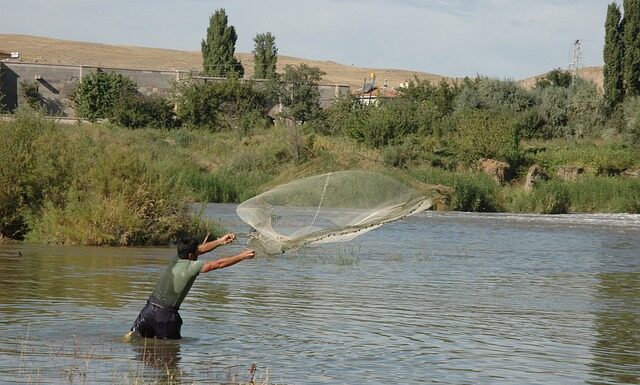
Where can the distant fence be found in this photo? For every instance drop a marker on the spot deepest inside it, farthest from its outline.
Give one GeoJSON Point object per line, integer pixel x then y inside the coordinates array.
{"type": "Point", "coordinates": [56, 82]}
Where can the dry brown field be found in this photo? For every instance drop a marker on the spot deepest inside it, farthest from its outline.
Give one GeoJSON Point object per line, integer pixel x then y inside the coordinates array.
{"type": "Point", "coordinates": [56, 51]}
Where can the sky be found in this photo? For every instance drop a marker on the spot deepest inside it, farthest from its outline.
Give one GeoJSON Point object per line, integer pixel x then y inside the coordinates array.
{"type": "Point", "coordinates": [507, 39]}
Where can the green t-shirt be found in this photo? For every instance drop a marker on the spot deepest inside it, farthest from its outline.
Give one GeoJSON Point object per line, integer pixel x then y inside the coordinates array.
{"type": "Point", "coordinates": [176, 281]}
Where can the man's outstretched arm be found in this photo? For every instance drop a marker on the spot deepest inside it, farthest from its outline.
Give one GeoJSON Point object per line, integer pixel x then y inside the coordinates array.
{"type": "Point", "coordinates": [208, 246]}
{"type": "Point", "coordinates": [227, 261]}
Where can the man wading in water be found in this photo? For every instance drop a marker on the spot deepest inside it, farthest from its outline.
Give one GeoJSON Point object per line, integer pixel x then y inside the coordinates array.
{"type": "Point", "coordinates": [159, 318]}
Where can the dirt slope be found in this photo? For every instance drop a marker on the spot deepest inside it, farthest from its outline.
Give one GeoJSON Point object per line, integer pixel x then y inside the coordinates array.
{"type": "Point", "coordinates": [56, 51]}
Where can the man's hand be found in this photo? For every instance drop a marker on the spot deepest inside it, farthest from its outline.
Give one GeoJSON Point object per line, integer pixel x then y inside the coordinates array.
{"type": "Point", "coordinates": [227, 238]}
{"type": "Point", "coordinates": [247, 254]}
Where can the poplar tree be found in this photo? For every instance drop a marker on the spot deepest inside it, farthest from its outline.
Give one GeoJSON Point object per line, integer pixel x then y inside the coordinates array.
{"type": "Point", "coordinates": [631, 31]}
{"type": "Point", "coordinates": [613, 57]}
{"type": "Point", "coordinates": [265, 56]}
{"type": "Point", "coordinates": [219, 47]}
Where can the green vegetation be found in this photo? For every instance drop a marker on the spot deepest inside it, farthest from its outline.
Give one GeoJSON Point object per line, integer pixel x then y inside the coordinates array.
{"type": "Point", "coordinates": [213, 141]}
{"type": "Point", "coordinates": [265, 56]}
{"type": "Point", "coordinates": [613, 57]}
{"type": "Point", "coordinates": [88, 186]}
{"type": "Point", "coordinates": [219, 46]}
{"type": "Point", "coordinates": [98, 94]}
{"type": "Point", "coordinates": [298, 91]}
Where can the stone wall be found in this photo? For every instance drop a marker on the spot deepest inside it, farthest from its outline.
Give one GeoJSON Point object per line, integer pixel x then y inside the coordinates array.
{"type": "Point", "coordinates": [56, 83]}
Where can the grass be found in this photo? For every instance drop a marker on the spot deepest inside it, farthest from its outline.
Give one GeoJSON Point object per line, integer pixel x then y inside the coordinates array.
{"type": "Point", "coordinates": [154, 362]}
{"type": "Point", "coordinates": [98, 184]}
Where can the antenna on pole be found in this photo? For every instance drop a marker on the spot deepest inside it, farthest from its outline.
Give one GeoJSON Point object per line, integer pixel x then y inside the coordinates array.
{"type": "Point", "coordinates": [576, 59]}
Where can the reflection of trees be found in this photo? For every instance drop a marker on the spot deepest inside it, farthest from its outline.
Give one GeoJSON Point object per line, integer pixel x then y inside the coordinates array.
{"type": "Point", "coordinates": [105, 277]}
{"type": "Point", "coordinates": [616, 352]}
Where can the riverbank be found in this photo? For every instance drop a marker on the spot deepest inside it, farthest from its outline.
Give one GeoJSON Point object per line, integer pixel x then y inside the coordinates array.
{"type": "Point", "coordinates": [99, 184]}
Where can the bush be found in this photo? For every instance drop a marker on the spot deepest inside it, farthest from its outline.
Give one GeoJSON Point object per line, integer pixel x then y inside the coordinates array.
{"type": "Point", "coordinates": [220, 105]}
{"type": "Point", "coordinates": [493, 94]}
{"type": "Point", "coordinates": [20, 186]}
{"type": "Point", "coordinates": [30, 94]}
{"type": "Point", "coordinates": [486, 134]}
{"type": "Point", "coordinates": [387, 123]}
{"type": "Point", "coordinates": [138, 111]}
{"type": "Point", "coordinates": [472, 191]}
{"type": "Point", "coordinates": [97, 94]}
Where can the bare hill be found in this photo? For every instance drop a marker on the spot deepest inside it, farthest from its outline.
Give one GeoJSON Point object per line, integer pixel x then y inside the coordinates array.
{"type": "Point", "coordinates": [55, 51]}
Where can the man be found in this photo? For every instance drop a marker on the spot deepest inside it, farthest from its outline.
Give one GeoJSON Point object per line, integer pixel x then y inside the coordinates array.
{"type": "Point", "coordinates": [159, 318]}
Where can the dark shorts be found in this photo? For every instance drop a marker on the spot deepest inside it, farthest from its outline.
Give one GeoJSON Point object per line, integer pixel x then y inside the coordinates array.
{"type": "Point", "coordinates": [157, 321]}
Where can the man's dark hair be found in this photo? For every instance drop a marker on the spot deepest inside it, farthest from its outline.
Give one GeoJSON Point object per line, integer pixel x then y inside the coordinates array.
{"type": "Point", "coordinates": [187, 246]}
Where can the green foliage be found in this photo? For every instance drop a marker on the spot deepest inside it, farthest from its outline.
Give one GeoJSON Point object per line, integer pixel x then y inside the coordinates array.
{"type": "Point", "coordinates": [588, 194]}
{"type": "Point", "coordinates": [265, 56]}
{"type": "Point", "coordinates": [138, 111]}
{"type": "Point", "coordinates": [585, 109]}
{"type": "Point", "coordinates": [555, 78]}
{"type": "Point", "coordinates": [30, 94]}
{"type": "Point", "coordinates": [86, 186]}
{"type": "Point", "coordinates": [219, 46]}
{"type": "Point", "coordinates": [613, 69]}
{"type": "Point", "coordinates": [97, 94]}
{"type": "Point", "coordinates": [631, 111]}
{"type": "Point", "coordinates": [485, 93]}
{"type": "Point", "coordinates": [485, 134]}
{"type": "Point", "coordinates": [229, 104]}
{"type": "Point", "coordinates": [19, 186]}
{"type": "Point", "coordinates": [299, 92]}
{"type": "Point", "coordinates": [631, 24]}
{"type": "Point", "coordinates": [388, 123]}
{"type": "Point", "coordinates": [472, 191]}
{"type": "Point", "coordinates": [551, 197]}
{"type": "Point", "coordinates": [343, 114]}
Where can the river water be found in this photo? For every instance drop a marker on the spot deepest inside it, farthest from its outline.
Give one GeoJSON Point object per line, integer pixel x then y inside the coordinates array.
{"type": "Point", "coordinates": [437, 298]}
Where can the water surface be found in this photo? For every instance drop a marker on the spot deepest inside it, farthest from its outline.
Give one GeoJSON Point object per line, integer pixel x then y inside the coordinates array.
{"type": "Point", "coordinates": [437, 298]}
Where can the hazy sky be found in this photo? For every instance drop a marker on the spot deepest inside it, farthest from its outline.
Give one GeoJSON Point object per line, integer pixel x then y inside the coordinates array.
{"type": "Point", "coordinates": [498, 38]}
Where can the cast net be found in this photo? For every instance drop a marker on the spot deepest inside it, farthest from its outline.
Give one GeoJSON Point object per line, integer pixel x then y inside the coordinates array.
{"type": "Point", "coordinates": [331, 207]}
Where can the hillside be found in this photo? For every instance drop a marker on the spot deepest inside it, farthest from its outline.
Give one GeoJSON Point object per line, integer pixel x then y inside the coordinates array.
{"type": "Point", "coordinates": [55, 51]}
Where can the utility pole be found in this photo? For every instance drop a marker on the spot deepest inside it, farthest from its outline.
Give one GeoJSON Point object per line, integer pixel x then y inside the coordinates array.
{"type": "Point", "coordinates": [576, 60]}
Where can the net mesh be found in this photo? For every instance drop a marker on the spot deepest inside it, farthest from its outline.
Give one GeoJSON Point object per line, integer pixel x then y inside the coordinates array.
{"type": "Point", "coordinates": [330, 207]}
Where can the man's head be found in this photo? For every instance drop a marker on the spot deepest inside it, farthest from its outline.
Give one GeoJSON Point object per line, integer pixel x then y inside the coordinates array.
{"type": "Point", "coordinates": [187, 248]}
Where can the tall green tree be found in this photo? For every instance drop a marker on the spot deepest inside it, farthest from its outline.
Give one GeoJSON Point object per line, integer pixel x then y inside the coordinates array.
{"type": "Point", "coordinates": [613, 57]}
{"type": "Point", "coordinates": [299, 91]}
{"type": "Point", "coordinates": [219, 47]}
{"type": "Point", "coordinates": [265, 56]}
{"type": "Point", "coordinates": [631, 25]}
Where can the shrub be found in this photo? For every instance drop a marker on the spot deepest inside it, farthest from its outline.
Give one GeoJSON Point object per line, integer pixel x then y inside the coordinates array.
{"type": "Point", "coordinates": [472, 191]}
{"type": "Point", "coordinates": [30, 94]}
{"type": "Point", "coordinates": [485, 93]}
{"type": "Point", "coordinates": [220, 105]}
{"type": "Point", "coordinates": [138, 111]}
{"type": "Point", "coordinates": [486, 134]}
{"type": "Point", "coordinates": [97, 94]}
{"type": "Point", "coordinates": [20, 187]}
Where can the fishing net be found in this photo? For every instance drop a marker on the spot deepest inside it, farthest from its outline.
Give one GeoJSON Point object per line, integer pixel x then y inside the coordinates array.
{"type": "Point", "coordinates": [330, 207]}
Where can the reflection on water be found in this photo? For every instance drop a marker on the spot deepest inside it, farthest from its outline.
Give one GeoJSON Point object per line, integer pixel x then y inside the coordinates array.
{"type": "Point", "coordinates": [617, 324]}
{"type": "Point", "coordinates": [438, 298]}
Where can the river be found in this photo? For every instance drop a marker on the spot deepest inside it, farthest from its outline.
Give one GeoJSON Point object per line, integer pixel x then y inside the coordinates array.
{"type": "Point", "coordinates": [436, 298]}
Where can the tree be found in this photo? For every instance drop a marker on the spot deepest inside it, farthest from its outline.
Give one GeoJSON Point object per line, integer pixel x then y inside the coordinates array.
{"type": "Point", "coordinates": [219, 47]}
{"type": "Point", "coordinates": [613, 57]}
{"type": "Point", "coordinates": [265, 56]}
{"type": "Point", "coordinates": [299, 91]}
{"type": "Point", "coordinates": [631, 25]}
{"type": "Point", "coordinates": [557, 78]}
